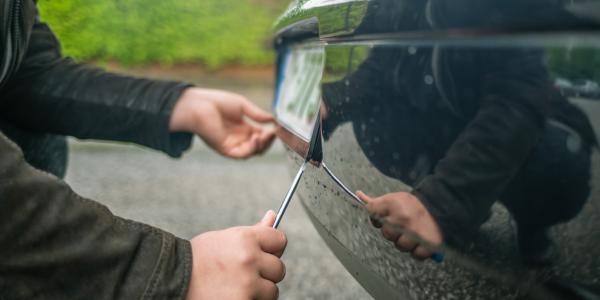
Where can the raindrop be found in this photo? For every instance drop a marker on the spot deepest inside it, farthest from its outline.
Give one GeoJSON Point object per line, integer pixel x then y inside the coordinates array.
{"type": "Point", "coordinates": [412, 50]}
{"type": "Point", "coordinates": [574, 143]}
{"type": "Point", "coordinates": [428, 79]}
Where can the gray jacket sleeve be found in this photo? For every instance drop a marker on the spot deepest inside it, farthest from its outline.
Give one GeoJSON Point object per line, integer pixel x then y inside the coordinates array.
{"type": "Point", "coordinates": [52, 94]}
{"type": "Point", "coordinates": [55, 244]}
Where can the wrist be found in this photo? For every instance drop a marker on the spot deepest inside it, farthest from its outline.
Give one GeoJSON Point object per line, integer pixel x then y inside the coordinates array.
{"type": "Point", "coordinates": [184, 115]}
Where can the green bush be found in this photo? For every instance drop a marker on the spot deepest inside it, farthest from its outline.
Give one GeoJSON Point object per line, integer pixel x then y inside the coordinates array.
{"type": "Point", "coordinates": [210, 32]}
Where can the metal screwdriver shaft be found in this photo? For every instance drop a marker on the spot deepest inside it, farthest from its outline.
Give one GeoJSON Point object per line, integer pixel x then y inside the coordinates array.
{"type": "Point", "coordinates": [289, 195]}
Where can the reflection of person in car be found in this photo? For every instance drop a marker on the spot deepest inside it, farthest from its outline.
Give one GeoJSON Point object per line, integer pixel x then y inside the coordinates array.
{"type": "Point", "coordinates": [56, 245]}
{"type": "Point", "coordinates": [466, 127]}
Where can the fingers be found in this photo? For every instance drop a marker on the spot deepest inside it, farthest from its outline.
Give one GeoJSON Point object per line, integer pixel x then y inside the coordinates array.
{"type": "Point", "coordinates": [256, 113]}
{"type": "Point", "coordinates": [271, 268]}
{"type": "Point", "coordinates": [422, 252]}
{"type": "Point", "coordinates": [266, 290]}
{"type": "Point", "coordinates": [389, 233]}
{"type": "Point", "coordinates": [376, 206]}
{"type": "Point", "coordinates": [376, 219]}
{"type": "Point", "coordinates": [268, 220]}
{"type": "Point", "coordinates": [404, 221]}
{"type": "Point", "coordinates": [246, 148]}
{"type": "Point", "coordinates": [406, 244]}
{"type": "Point", "coordinates": [256, 141]}
{"type": "Point", "coordinates": [271, 240]}
{"type": "Point", "coordinates": [362, 196]}
{"type": "Point", "coordinates": [266, 138]}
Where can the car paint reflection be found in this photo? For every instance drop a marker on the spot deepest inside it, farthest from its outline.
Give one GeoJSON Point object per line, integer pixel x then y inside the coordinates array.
{"type": "Point", "coordinates": [486, 127]}
{"type": "Point", "coordinates": [373, 142]}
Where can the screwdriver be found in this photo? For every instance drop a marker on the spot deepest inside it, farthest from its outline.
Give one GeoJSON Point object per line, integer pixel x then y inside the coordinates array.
{"type": "Point", "coordinates": [289, 195]}
{"type": "Point", "coordinates": [314, 155]}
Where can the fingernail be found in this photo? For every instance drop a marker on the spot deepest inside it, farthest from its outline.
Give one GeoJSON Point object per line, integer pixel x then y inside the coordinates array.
{"type": "Point", "coordinates": [268, 214]}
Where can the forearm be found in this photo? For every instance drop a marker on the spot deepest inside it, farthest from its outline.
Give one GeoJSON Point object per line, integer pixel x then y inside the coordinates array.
{"type": "Point", "coordinates": [52, 94]}
{"type": "Point", "coordinates": [58, 245]}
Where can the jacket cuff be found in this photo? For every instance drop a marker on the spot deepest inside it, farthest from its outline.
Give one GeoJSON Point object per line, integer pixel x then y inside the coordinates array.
{"type": "Point", "coordinates": [172, 143]}
{"type": "Point", "coordinates": [171, 276]}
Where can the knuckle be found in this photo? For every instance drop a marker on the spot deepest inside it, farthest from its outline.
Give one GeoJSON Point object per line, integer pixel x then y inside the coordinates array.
{"type": "Point", "coordinates": [248, 234]}
{"type": "Point", "coordinates": [388, 233]}
{"type": "Point", "coordinates": [247, 258]}
{"type": "Point", "coordinates": [401, 218]}
{"type": "Point", "coordinates": [404, 245]}
{"type": "Point", "coordinates": [421, 253]}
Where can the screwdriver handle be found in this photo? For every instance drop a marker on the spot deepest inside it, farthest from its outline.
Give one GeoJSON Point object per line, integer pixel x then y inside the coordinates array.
{"type": "Point", "coordinates": [438, 257]}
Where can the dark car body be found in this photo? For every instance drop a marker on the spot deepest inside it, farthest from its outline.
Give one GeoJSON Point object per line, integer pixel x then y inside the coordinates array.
{"type": "Point", "coordinates": [456, 100]}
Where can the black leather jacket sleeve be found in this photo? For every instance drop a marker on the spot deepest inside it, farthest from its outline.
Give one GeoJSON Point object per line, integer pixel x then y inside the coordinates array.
{"type": "Point", "coordinates": [58, 245]}
{"type": "Point", "coordinates": [52, 94]}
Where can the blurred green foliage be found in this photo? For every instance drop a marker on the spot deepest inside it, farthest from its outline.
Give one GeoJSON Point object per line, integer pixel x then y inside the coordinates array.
{"type": "Point", "coordinates": [210, 32]}
{"type": "Point", "coordinates": [576, 63]}
{"type": "Point", "coordinates": [341, 61]}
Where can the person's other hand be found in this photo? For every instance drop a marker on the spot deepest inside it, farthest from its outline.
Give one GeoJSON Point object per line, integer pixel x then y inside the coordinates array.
{"type": "Point", "coordinates": [238, 263]}
{"type": "Point", "coordinates": [224, 120]}
{"type": "Point", "coordinates": [404, 217]}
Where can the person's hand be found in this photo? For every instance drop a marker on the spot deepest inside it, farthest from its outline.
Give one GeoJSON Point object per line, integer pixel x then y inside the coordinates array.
{"type": "Point", "coordinates": [405, 218]}
{"type": "Point", "coordinates": [238, 263]}
{"type": "Point", "coordinates": [224, 120]}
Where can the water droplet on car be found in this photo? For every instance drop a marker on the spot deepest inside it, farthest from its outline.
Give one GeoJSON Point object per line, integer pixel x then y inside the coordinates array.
{"type": "Point", "coordinates": [412, 50]}
{"type": "Point", "coordinates": [428, 79]}
{"type": "Point", "coordinates": [574, 143]}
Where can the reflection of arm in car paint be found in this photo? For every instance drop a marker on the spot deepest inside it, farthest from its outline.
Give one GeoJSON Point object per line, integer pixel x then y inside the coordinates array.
{"type": "Point", "coordinates": [505, 139]}
{"type": "Point", "coordinates": [493, 141]}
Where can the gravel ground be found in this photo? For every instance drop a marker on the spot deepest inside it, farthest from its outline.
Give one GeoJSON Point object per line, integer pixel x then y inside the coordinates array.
{"type": "Point", "coordinates": [203, 191]}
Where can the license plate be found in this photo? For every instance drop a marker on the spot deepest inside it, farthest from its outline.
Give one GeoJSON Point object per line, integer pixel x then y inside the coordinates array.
{"type": "Point", "coordinates": [298, 90]}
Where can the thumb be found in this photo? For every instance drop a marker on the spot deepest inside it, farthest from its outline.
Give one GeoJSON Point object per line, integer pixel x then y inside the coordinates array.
{"type": "Point", "coordinates": [268, 220]}
{"type": "Point", "coordinates": [364, 197]}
